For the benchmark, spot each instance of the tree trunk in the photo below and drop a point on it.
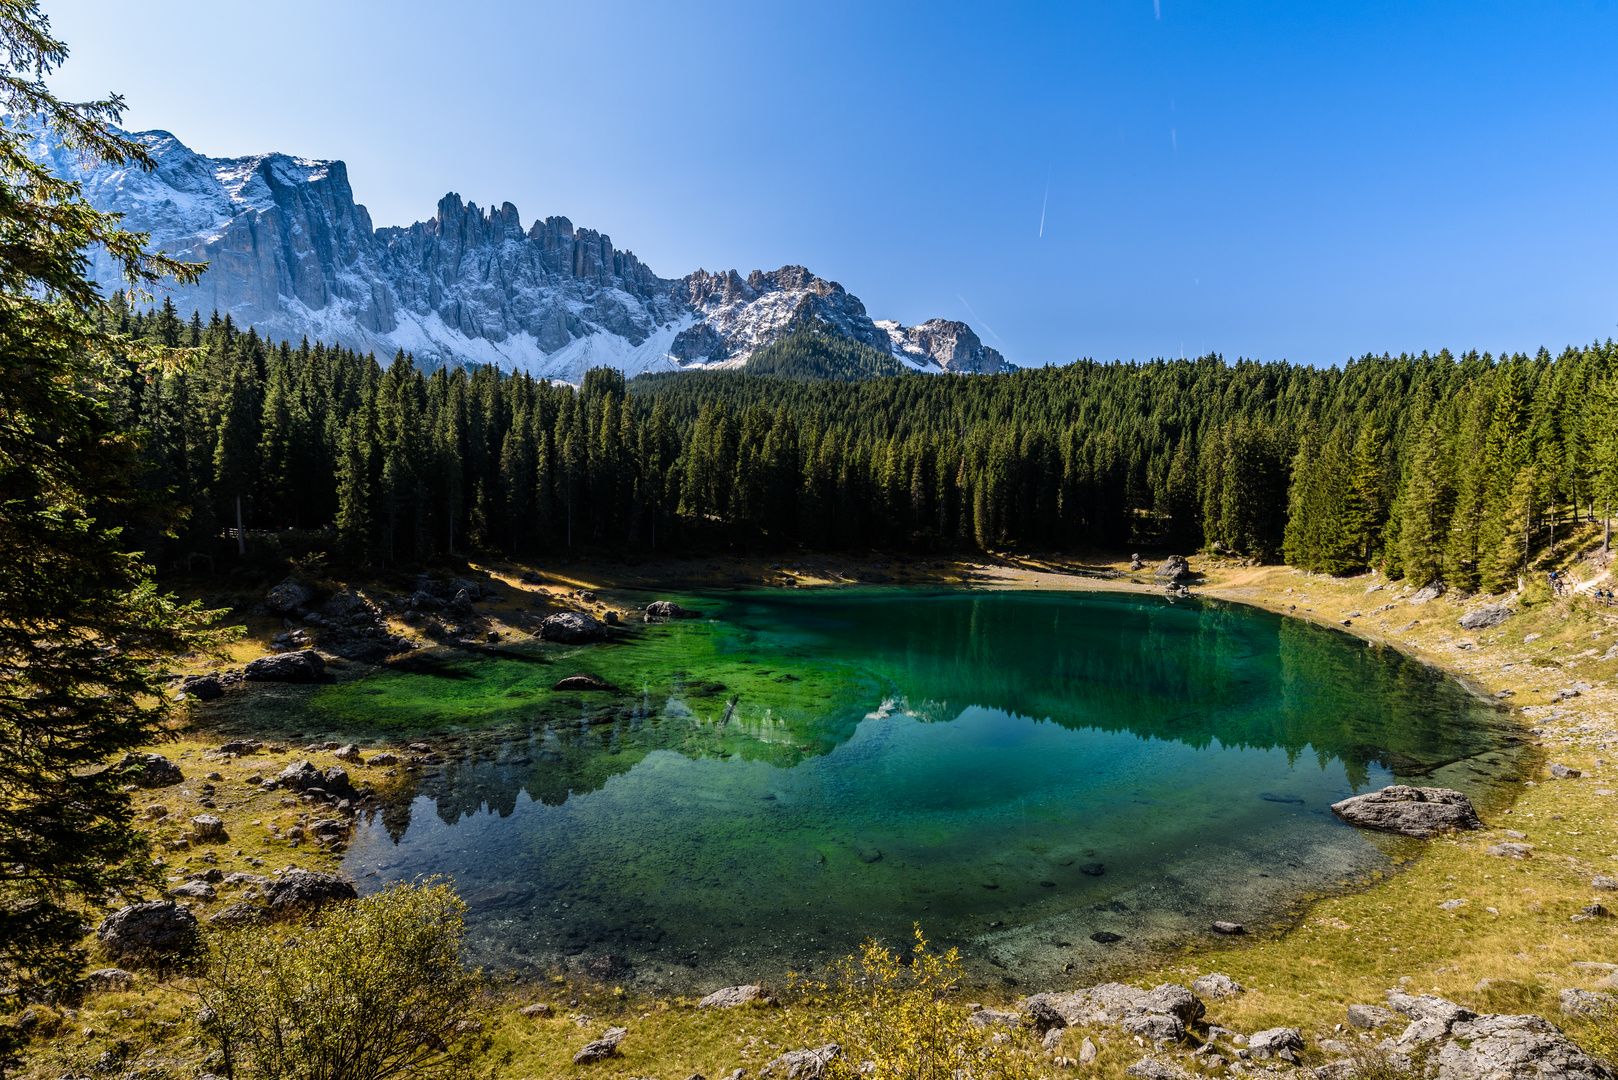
(241, 537)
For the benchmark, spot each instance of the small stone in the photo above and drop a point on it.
(108, 980)
(193, 890)
(1216, 986)
(1106, 937)
(801, 1064)
(1087, 1052)
(1273, 1041)
(732, 996)
(1229, 928)
(207, 827)
(1370, 1016)
(1562, 772)
(602, 1048)
(1511, 851)
(538, 1008)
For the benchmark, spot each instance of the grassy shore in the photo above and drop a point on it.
(1510, 947)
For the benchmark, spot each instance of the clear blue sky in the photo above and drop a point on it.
(1303, 181)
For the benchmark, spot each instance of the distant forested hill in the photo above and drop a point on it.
(1429, 466)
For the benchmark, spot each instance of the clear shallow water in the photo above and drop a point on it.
(1015, 771)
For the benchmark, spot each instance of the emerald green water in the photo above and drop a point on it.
(1015, 771)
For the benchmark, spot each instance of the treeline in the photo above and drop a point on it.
(1429, 466)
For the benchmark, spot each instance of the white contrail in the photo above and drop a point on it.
(1044, 204)
(979, 318)
(1157, 9)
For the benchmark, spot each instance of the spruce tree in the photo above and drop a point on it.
(86, 638)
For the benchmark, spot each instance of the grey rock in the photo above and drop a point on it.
(386, 757)
(1510, 851)
(241, 746)
(1585, 1003)
(349, 753)
(239, 878)
(192, 890)
(1172, 1000)
(1429, 592)
(1172, 568)
(1272, 1041)
(538, 1008)
(461, 605)
(1499, 1047)
(1107, 1003)
(148, 770)
(732, 996)
(1604, 883)
(1370, 1016)
(1487, 616)
(1562, 772)
(1428, 1007)
(303, 666)
(601, 1049)
(583, 681)
(1216, 986)
(571, 628)
(1150, 1068)
(202, 687)
(305, 890)
(668, 609)
(147, 933)
(995, 1018)
(288, 597)
(1154, 1026)
(1411, 811)
(1229, 928)
(1043, 1018)
(110, 980)
(802, 1064)
(207, 827)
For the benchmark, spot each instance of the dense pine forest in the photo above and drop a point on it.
(1462, 469)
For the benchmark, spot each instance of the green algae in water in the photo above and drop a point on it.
(1015, 771)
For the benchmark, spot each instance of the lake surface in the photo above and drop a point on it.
(1018, 772)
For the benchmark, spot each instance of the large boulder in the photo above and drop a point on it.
(202, 687)
(668, 609)
(601, 1049)
(148, 770)
(288, 597)
(801, 1064)
(1217, 985)
(303, 666)
(1431, 591)
(1275, 1042)
(1500, 1047)
(1112, 1003)
(1172, 568)
(148, 933)
(571, 628)
(1413, 811)
(303, 775)
(304, 890)
(1487, 616)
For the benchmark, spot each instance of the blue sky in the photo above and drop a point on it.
(1278, 181)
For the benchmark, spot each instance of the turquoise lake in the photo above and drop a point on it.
(1018, 772)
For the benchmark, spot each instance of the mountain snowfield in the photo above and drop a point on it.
(292, 254)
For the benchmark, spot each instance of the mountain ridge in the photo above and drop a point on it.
(293, 254)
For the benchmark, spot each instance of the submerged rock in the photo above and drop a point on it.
(583, 681)
(668, 609)
(1411, 811)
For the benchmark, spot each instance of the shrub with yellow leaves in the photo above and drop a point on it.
(894, 1020)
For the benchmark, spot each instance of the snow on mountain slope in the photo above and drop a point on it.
(291, 253)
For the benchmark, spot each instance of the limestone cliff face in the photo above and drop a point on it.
(291, 253)
(944, 344)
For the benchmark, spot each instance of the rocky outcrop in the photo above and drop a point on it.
(1412, 811)
(303, 666)
(300, 891)
(571, 628)
(288, 597)
(148, 933)
(943, 345)
(304, 776)
(148, 770)
(1487, 616)
(293, 255)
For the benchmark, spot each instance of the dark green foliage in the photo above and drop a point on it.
(807, 354)
(85, 637)
(1407, 464)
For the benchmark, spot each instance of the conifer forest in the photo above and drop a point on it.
(1429, 467)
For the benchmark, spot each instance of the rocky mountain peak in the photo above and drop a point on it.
(292, 254)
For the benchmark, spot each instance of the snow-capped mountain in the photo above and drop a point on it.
(291, 253)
